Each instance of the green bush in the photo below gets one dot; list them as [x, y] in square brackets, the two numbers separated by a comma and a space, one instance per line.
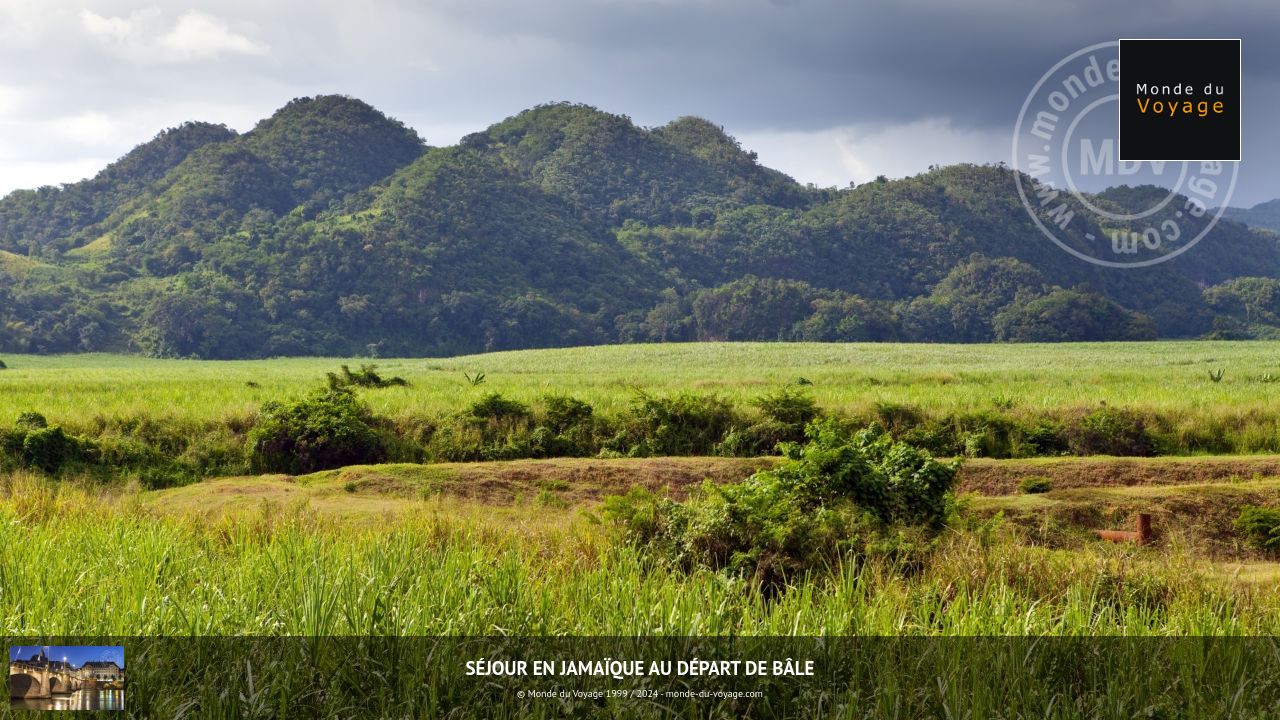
[32, 420]
[840, 492]
[1043, 436]
[788, 406]
[898, 417]
[1110, 431]
[565, 413]
[495, 407]
[785, 415]
[11, 446]
[50, 448]
[1035, 484]
[366, 377]
[328, 429]
[684, 424]
[1260, 527]
[761, 438]
[985, 434]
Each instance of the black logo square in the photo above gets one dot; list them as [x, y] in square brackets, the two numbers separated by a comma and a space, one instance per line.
[1179, 100]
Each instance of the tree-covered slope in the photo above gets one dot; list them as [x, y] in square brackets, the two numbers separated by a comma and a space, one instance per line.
[609, 168]
[331, 229]
[1263, 215]
[31, 220]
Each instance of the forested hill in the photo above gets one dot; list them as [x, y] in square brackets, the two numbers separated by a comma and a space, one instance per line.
[331, 229]
[1263, 215]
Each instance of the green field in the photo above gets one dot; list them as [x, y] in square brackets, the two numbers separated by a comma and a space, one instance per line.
[519, 547]
[249, 557]
[1171, 377]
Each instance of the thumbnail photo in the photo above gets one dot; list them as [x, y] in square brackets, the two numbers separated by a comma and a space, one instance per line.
[72, 677]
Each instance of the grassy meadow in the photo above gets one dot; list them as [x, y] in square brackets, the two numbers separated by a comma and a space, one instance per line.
[1169, 377]
[172, 562]
[520, 547]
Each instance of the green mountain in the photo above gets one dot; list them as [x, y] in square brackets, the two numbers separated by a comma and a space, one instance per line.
[331, 229]
[1264, 215]
[31, 220]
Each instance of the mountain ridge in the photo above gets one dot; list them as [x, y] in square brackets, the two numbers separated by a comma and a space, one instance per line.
[1264, 215]
[330, 228]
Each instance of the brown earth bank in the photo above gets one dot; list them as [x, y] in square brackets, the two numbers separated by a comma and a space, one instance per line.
[1002, 477]
[1193, 501]
[576, 481]
[591, 479]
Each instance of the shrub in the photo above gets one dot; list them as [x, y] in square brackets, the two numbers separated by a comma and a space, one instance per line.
[328, 429]
[760, 438]
[366, 376]
[544, 442]
[32, 420]
[1043, 436]
[837, 493]
[1109, 431]
[785, 415]
[898, 417]
[495, 407]
[684, 424]
[11, 446]
[788, 406]
[3, 366]
[49, 448]
[984, 434]
[1260, 527]
[565, 413]
[1035, 484]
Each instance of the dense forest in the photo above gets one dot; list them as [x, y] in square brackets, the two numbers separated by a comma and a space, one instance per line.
[331, 229]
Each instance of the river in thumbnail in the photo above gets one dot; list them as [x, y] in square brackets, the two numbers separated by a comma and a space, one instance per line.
[78, 700]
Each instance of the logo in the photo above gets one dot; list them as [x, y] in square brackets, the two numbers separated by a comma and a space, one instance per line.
[1101, 209]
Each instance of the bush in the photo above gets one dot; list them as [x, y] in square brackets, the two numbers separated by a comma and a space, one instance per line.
[1035, 484]
[761, 438]
[366, 377]
[898, 417]
[1110, 431]
[32, 420]
[837, 493]
[1260, 527]
[50, 448]
[33, 443]
[1043, 436]
[3, 366]
[565, 413]
[684, 424]
[786, 413]
[495, 407]
[789, 407]
[985, 434]
[328, 429]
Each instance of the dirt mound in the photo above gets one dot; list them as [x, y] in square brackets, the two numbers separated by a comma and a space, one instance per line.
[1001, 477]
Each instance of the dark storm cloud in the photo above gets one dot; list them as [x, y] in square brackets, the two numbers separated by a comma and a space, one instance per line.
[89, 79]
[811, 65]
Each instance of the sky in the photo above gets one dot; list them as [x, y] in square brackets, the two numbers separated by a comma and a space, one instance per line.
[829, 91]
[77, 655]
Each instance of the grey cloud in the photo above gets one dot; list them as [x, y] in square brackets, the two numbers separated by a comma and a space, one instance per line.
[753, 65]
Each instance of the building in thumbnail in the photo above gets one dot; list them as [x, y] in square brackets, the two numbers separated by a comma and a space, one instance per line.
[103, 671]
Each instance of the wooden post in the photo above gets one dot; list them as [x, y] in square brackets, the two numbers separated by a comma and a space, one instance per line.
[1142, 535]
[1144, 528]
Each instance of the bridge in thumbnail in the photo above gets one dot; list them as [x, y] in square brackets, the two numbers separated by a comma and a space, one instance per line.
[39, 677]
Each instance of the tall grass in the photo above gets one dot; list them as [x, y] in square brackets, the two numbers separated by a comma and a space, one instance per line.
[75, 562]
